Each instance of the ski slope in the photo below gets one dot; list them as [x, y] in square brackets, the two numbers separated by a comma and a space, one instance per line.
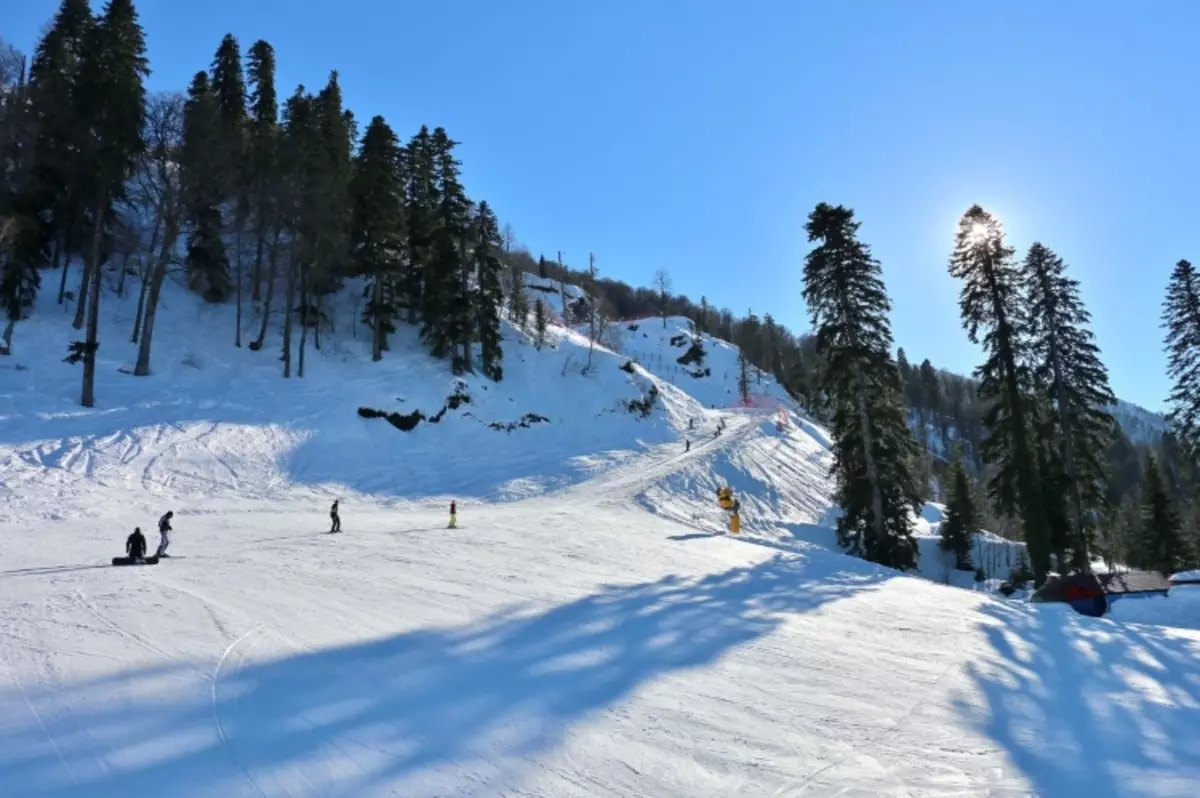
[588, 629]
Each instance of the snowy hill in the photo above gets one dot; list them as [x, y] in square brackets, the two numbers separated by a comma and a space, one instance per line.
[588, 630]
[1140, 424]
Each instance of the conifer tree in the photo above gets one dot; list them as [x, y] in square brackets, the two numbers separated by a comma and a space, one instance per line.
[990, 302]
[702, 322]
[543, 271]
[54, 80]
[295, 169]
[873, 447]
[112, 108]
[420, 213]
[1161, 546]
[1181, 317]
[743, 377]
[489, 298]
[261, 145]
[539, 323]
[377, 228]
[962, 520]
[447, 319]
[1069, 372]
[207, 262]
[518, 302]
[228, 86]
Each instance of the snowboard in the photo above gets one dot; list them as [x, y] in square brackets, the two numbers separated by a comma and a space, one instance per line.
[152, 560]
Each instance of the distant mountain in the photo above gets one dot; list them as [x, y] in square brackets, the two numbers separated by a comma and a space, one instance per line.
[1140, 424]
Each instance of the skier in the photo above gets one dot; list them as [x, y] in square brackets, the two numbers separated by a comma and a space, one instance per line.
[135, 545]
[453, 514]
[687, 446]
[337, 519]
[164, 527]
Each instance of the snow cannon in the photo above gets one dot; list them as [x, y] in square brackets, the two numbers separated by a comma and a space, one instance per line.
[725, 498]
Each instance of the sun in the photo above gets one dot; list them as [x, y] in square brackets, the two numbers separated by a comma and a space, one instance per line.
[978, 232]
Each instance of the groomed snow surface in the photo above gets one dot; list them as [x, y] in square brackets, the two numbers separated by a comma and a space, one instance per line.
[587, 630]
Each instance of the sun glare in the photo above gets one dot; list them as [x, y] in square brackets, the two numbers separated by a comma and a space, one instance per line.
[977, 234]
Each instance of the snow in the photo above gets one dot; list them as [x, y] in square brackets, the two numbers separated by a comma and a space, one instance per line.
[588, 630]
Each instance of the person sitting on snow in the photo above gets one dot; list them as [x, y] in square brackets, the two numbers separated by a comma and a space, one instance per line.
[135, 545]
[164, 526]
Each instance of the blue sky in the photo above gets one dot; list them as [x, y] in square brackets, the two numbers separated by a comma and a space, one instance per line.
[696, 135]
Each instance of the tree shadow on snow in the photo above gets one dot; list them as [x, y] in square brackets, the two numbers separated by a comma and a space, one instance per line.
[1089, 707]
[435, 711]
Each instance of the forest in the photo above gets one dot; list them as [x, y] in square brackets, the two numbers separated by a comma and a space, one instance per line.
[272, 203]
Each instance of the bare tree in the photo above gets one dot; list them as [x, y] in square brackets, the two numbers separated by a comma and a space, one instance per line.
[662, 284]
[593, 310]
[160, 180]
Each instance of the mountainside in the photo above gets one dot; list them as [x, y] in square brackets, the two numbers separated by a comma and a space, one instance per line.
[589, 629]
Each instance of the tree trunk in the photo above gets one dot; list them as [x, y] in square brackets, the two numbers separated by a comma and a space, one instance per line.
[88, 399]
[305, 290]
[260, 236]
[377, 325]
[159, 275]
[266, 311]
[237, 335]
[6, 348]
[145, 278]
[63, 259]
[287, 322]
[85, 281]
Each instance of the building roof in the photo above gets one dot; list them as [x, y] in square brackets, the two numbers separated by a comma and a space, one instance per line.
[1134, 582]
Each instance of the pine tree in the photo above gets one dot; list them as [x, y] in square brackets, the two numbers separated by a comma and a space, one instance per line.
[447, 319]
[539, 323]
[743, 377]
[207, 263]
[112, 108]
[1161, 546]
[262, 174]
[377, 228]
[420, 212]
[59, 194]
[489, 298]
[873, 447]
[228, 87]
[518, 302]
[1181, 317]
[1068, 370]
[990, 301]
[662, 285]
[702, 322]
[543, 272]
[295, 152]
[962, 521]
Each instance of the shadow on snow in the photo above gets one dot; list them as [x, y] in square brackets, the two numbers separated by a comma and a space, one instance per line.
[410, 707]
[1089, 707]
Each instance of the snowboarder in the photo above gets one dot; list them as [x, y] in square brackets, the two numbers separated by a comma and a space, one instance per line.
[453, 514]
[164, 527]
[135, 545]
[691, 423]
[337, 519]
[687, 446]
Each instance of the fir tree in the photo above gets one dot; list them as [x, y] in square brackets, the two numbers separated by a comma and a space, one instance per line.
[543, 272]
[962, 522]
[207, 263]
[421, 214]
[873, 447]
[262, 176]
[228, 87]
[743, 377]
[539, 323]
[377, 228]
[489, 298]
[1181, 317]
[990, 301]
[447, 319]
[518, 303]
[112, 108]
[59, 191]
[1068, 370]
[1161, 545]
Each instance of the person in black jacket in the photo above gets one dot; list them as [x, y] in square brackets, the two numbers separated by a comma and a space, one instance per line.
[335, 518]
[135, 544]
